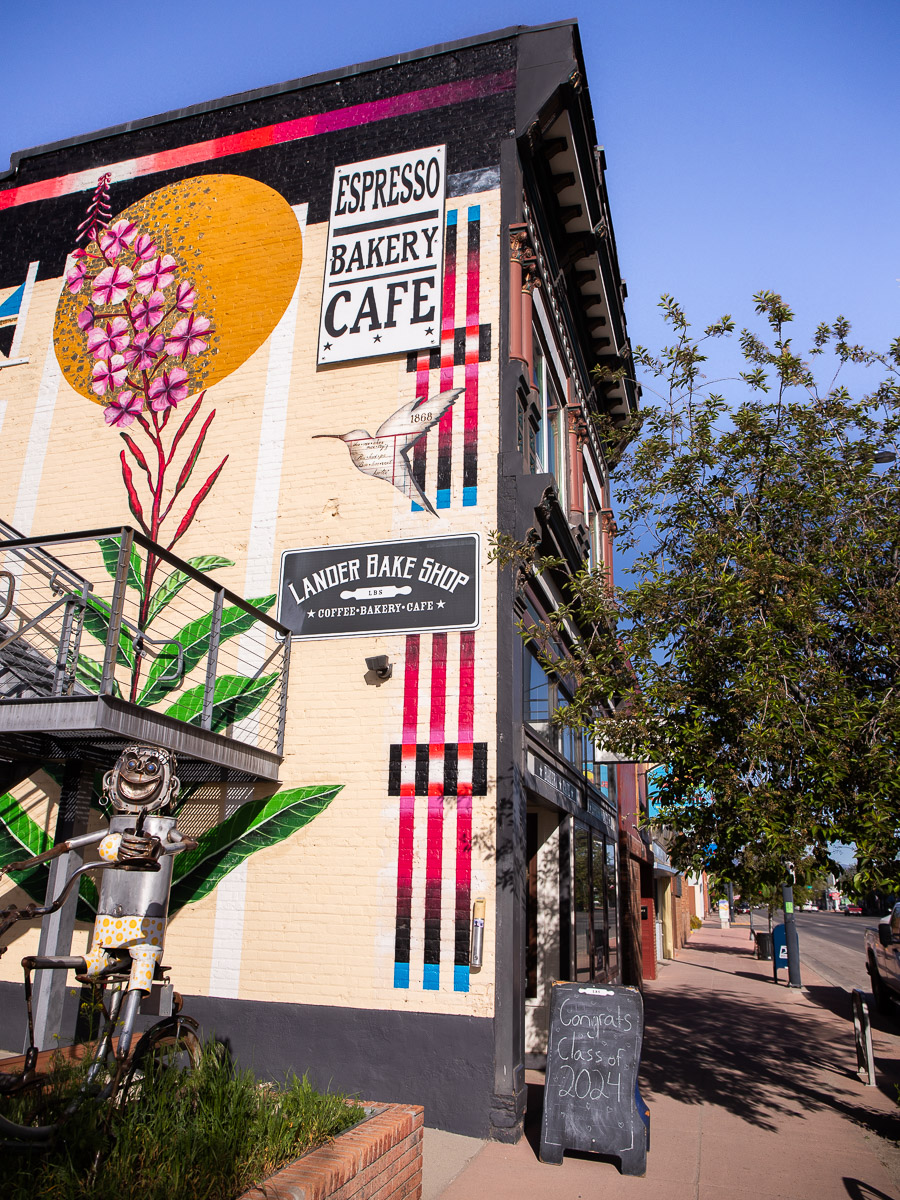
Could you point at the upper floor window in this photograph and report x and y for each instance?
(550, 434)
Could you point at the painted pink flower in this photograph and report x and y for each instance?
(185, 297)
(117, 238)
(111, 285)
(144, 247)
(144, 350)
(122, 409)
(75, 277)
(187, 336)
(109, 373)
(85, 318)
(169, 390)
(149, 312)
(105, 340)
(156, 274)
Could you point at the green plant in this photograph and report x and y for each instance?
(203, 1134)
(753, 651)
(696, 923)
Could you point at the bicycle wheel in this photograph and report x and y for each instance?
(170, 1044)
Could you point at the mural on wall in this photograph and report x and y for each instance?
(254, 826)
(387, 455)
(449, 773)
(157, 307)
(468, 345)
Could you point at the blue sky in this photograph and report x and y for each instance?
(749, 144)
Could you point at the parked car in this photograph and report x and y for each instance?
(853, 910)
(810, 907)
(883, 959)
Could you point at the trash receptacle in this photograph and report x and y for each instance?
(763, 944)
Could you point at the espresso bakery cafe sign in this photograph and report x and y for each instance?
(382, 288)
(410, 586)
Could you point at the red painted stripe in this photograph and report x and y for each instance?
(473, 303)
(434, 851)
(448, 329)
(408, 776)
(269, 135)
(464, 770)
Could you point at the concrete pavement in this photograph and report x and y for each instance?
(752, 1092)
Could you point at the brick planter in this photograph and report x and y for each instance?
(379, 1159)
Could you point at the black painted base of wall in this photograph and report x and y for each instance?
(442, 1062)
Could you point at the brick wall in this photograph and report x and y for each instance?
(379, 1160)
(648, 938)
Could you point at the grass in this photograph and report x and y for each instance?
(207, 1133)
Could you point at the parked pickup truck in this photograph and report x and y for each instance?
(883, 959)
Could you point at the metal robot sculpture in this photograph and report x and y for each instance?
(136, 852)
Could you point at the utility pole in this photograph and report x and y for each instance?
(790, 934)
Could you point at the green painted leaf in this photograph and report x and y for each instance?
(234, 697)
(27, 834)
(194, 639)
(90, 673)
(171, 586)
(254, 826)
(20, 837)
(96, 622)
(109, 548)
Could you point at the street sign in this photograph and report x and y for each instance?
(416, 585)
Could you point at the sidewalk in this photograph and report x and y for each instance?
(752, 1091)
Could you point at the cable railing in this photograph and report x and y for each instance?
(109, 613)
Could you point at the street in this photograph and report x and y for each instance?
(831, 944)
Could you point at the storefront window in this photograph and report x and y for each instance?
(612, 908)
(598, 903)
(582, 904)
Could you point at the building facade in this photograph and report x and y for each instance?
(355, 319)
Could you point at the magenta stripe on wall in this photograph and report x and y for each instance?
(407, 813)
(268, 135)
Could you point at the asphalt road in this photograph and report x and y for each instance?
(831, 944)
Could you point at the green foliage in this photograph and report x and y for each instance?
(203, 1134)
(757, 650)
(172, 585)
(20, 837)
(252, 827)
(109, 548)
(194, 640)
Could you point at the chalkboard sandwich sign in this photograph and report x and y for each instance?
(591, 1099)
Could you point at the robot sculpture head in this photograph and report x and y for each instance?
(142, 789)
(142, 781)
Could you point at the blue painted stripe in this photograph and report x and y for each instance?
(11, 305)
(470, 497)
(432, 979)
(401, 975)
(451, 216)
(474, 212)
(460, 979)
(417, 507)
(443, 498)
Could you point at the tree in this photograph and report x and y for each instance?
(756, 649)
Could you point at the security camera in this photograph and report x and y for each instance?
(380, 666)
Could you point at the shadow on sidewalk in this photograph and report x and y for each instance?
(753, 1057)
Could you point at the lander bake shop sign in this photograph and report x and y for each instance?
(421, 585)
(382, 288)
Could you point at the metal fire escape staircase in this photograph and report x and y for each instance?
(89, 664)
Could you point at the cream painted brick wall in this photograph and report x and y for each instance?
(319, 907)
